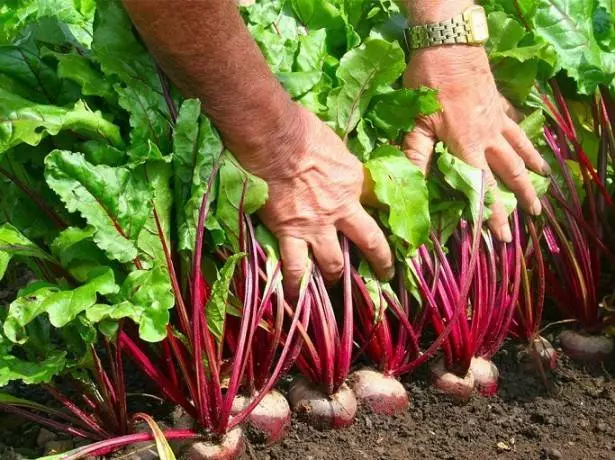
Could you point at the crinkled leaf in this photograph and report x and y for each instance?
(467, 180)
(159, 175)
(116, 202)
(62, 305)
(22, 72)
(567, 25)
(146, 298)
(120, 54)
(23, 121)
(30, 372)
(312, 51)
(77, 252)
(298, 84)
(361, 72)
(81, 70)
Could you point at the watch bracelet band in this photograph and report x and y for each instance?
(449, 32)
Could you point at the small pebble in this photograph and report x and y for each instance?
(552, 454)
(602, 427)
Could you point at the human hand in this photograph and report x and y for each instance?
(474, 125)
(315, 185)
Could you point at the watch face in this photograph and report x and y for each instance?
(478, 25)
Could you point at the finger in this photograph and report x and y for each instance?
(418, 146)
(498, 221)
(511, 110)
(525, 149)
(294, 253)
(510, 168)
(364, 232)
(328, 253)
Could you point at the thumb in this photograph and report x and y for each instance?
(418, 146)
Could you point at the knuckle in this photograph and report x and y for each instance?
(334, 268)
(416, 157)
(294, 270)
(373, 241)
(518, 172)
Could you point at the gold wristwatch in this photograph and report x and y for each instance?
(470, 28)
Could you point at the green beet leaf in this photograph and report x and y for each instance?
(140, 92)
(395, 112)
(568, 26)
(30, 372)
(23, 73)
(76, 16)
(467, 180)
(26, 122)
(14, 243)
(146, 298)
(216, 307)
(236, 183)
(516, 56)
(61, 305)
(402, 187)
(116, 202)
(362, 71)
(196, 149)
(82, 71)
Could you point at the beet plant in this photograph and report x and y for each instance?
(389, 331)
(536, 352)
(578, 232)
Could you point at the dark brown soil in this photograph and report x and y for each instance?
(574, 420)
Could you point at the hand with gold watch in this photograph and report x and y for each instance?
(447, 39)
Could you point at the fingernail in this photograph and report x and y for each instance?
(504, 234)
(546, 169)
(536, 208)
(389, 273)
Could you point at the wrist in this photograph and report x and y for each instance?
(268, 146)
(428, 12)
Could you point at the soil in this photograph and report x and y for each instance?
(574, 419)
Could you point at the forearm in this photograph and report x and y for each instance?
(206, 50)
(430, 11)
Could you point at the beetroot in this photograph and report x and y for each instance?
(322, 397)
(270, 420)
(538, 355)
(473, 290)
(581, 346)
(382, 394)
(229, 447)
(459, 388)
(322, 410)
(486, 376)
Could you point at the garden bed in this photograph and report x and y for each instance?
(573, 420)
